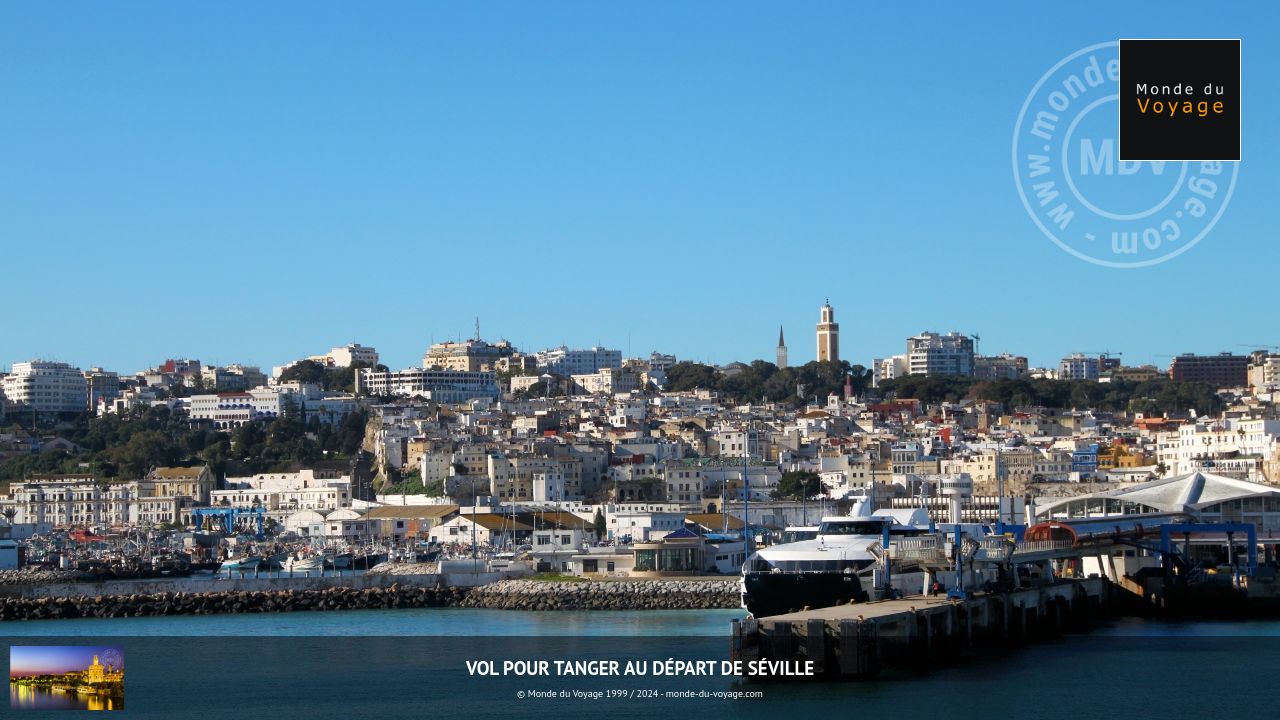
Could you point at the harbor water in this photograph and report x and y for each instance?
(400, 663)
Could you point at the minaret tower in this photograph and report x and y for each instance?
(782, 350)
(828, 335)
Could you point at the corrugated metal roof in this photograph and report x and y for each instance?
(411, 511)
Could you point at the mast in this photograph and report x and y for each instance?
(746, 489)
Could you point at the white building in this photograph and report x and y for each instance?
(932, 354)
(346, 525)
(605, 381)
(468, 356)
(564, 361)
(45, 386)
(1077, 366)
(302, 490)
(232, 377)
(348, 355)
(230, 410)
(444, 386)
(548, 486)
(1227, 446)
(638, 524)
(101, 386)
(1264, 372)
(337, 357)
(889, 368)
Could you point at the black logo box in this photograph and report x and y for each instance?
(1186, 68)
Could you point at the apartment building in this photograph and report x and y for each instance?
(930, 353)
(46, 386)
(564, 361)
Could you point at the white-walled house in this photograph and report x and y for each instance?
(485, 529)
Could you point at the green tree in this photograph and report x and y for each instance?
(799, 485)
(601, 527)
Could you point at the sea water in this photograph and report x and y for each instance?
(414, 663)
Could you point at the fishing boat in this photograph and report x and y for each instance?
(246, 564)
(276, 560)
(366, 560)
(302, 563)
(340, 561)
(171, 564)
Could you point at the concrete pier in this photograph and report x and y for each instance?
(860, 640)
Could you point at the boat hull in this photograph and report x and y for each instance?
(246, 565)
(775, 593)
(296, 565)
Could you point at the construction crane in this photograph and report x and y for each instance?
(1100, 353)
(1259, 346)
(977, 340)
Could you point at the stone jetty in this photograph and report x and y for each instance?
(690, 594)
(36, 576)
(212, 603)
(675, 594)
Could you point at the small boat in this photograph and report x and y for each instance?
(364, 561)
(341, 561)
(249, 563)
(305, 563)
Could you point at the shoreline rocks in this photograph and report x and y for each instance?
(691, 594)
(212, 603)
(390, 568)
(36, 576)
(525, 595)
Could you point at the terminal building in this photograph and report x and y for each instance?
(1205, 497)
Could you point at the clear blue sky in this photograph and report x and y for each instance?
(253, 182)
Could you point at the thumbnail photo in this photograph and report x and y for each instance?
(66, 677)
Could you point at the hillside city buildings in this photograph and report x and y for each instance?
(484, 440)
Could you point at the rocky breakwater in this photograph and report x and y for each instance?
(690, 594)
(210, 603)
(36, 576)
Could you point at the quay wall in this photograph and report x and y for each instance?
(860, 640)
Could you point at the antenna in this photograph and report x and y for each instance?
(477, 327)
